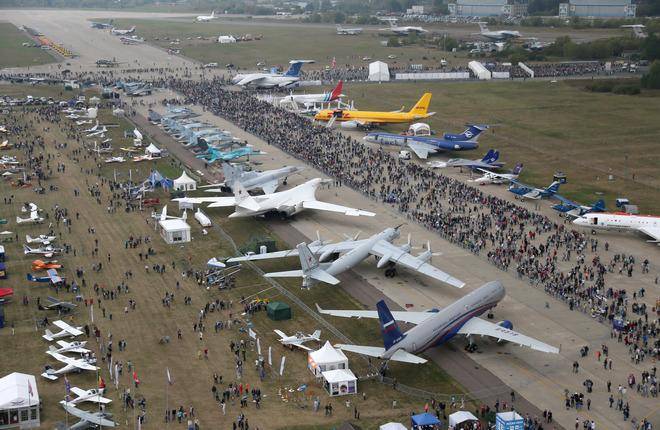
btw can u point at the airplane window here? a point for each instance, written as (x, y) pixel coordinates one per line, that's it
(595, 220)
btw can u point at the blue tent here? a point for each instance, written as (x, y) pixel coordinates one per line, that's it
(156, 179)
(424, 419)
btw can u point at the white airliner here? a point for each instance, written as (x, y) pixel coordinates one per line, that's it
(120, 32)
(348, 31)
(647, 224)
(402, 30)
(435, 327)
(206, 18)
(298, 339)
(311, 99)
(67, 331)
(498, 35)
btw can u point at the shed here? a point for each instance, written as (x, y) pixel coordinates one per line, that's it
(326, 358)
(379, 72)
(185, 183)
(424, 420)
(19, 401)
(461, 418)
(392, 426)
(339, 382)
(278, 311)
(174, 231)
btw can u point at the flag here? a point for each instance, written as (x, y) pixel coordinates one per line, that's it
(67, 388)
(334, 62)
(169, 377)
(101, 382)
(135, 377)
(30, 389)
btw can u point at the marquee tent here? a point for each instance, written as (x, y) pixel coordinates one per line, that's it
(19, 401)
(185, 183)
(379, 72)
(460, 417)
(326, 358)
(339, 382)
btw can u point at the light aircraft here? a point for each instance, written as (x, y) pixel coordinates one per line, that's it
(638, 30)
(71, 365)
(206, 18)
(120, 32)
(93, 395)
(646, 224)
(574, 209)
(34, 216)
(47, 251)
(354, 252)
(311, 99)
(42, 239)
(489, 161)
(271, 80)
(57, 305)
(358, 118)
(435, 327)
(131, 40)
(90, 113)
(83, 122)
(67, 331)
(97, 132)
(298, 339)
(162, 216)
(423, 145)
(101, 25)
(115, 160)
(213, 154)
(268, 181)
(93, 128)
(498, 35)
(5, 159)
(529, 192)
(88, 420)
(348, 31)
(130, 150)
(51, 277)
(45, 265)
(497, 178)
(5, 145)
(5, 294)
(76, 347)
(402, 30)
(145, 157)
(288, 202)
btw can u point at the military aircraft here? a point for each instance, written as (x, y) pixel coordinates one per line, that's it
(213, 154)
(57, 305)
(271, 80)
(435, 327)
(76, 347)
(489, 161)
(93, 395)
(298, 339)
(46, 251)
(646, 224)
(523, 191)
(120, 32)
(348, 31)
(42, 239)
(88, 420)
(101, 25)
(497, 178)
(574, 209)
(268, 181)
(402, 30)
(499, 35)
(67, 331)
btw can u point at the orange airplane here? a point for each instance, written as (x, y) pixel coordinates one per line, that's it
(45, 265)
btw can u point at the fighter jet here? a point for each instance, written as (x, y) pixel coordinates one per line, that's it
(489, 161)
(523, 191)
(67, 331)
(88, 420)
(298, 339)
(268, 181)
(57, 305)
(70, 365)
(77, 347)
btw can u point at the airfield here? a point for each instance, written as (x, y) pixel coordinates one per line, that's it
(532, 136)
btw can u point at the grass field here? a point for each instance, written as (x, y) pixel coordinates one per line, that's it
(14, 54)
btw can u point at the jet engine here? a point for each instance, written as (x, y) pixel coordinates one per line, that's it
(506, 324)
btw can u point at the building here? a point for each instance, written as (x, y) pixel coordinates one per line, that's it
(598, 9)
(488, 8)
(19, 402)
(416, 10)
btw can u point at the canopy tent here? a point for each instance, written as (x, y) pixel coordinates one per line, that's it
(379, 72)
(19, 401)
(339, 382)
(460, 417)
(392, 426)
(419, 129)
(278, 311)
(326, 358)
(152, 150)
(185, 183)
(174, 230)
(424, 420)
(157, 180)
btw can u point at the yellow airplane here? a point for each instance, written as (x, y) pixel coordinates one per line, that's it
(358, 118)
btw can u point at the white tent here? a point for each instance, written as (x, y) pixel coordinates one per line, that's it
(339, 382)
(19, 401)
(152, 150)
(379, 72)
(460, 417)
(174, 230)
(419, 129)
(326, 358)
(185, 183)
(392, 426)
(479, 70)
(226, 39)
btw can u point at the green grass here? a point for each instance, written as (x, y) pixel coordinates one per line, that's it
(14, 54)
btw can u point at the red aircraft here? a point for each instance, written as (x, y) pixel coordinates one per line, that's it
(45, 265)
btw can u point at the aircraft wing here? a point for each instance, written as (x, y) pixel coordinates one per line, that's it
(396, 255)
(422, 150)
(477, 326)
(250, 79)
(534, 194)
(82, 364)
(316, 249)
(652, 232)
(214, 201)
(97, 418)
(280, 333)
(409, 317)
(494, 174)
(66, 327)
(270, 187)
(54, 278)
(324, 206)
(301, 346)
(375, 351)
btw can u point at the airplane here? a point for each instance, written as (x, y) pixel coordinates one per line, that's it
(497, 35)
(77, 347)
(354, 252)
(93, 395)
(57, 305)
(90, 113)
(83, 122)
(348, 31)
(423, 145)
(435, 327)
(206, 18)
(163, 215)
(638, 30)
(120, 32)
(115, 160)
(51, 277)
(97, 132)
(404, 30)
(131, 40)
(488, 161)
(311, 99)
(574, 209)
(357, 118)
(528, 192)
(268, 181)
(646, 224)
(42, 239)
(288, 202)
(88, 420)
(47, 251)
(101, 25)
(212, 154)
(5, 145)
(9, 160)
(70, 365)
(102, 62)
(298, 339)
(497, 178)
(45, 265)
(5, 294)
(271, 80)
(145, 157)
(67, 331)
(34, 216)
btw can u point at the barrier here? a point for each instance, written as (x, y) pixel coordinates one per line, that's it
(431, 76)
(527, 70)
(501, 75)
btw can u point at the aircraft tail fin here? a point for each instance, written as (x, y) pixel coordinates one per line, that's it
(554, 187)
(294, 69)
(163, 214)
(483, 26)
(599, 206)
(334, 95)
(422, 106)
(30, 277)
(243, 198)
(317, 334)
(308, 262)
(230, 172)
(388, 326)
(488, 156)
(517, 169)
(473, 131)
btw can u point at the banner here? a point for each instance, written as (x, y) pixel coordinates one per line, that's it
(258, 346)
(282, 365)
(270, 356)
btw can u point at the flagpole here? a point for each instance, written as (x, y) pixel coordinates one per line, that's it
(167, 398)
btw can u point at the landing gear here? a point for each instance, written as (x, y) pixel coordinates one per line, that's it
(471, 346)
(390, 272)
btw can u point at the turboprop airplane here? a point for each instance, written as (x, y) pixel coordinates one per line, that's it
(88, 420)
(288, 202)
(213, 154)
(298, 339)
(646, 224)
(206, 18)
(76, 347)
(52, 277)
(498, 178)
(435, 327)
(401, 30)
(489, 161)
(268, 181)
(498, 35)
(354, 252)
(358, 118)
(120, 32)
(47, 251)
(574, 209)
(348, 31)
(41, 239)
(67, 331)
(93, 395)
(271, 80)
(311, 99)
(529, 192)
(423, 145)
(57, 305)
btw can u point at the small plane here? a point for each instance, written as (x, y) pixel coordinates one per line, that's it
(271, 80)
(268, 181)
(488, 161)
(120, 32)
(638, 30)
(497, 178)
(523, 191)
(365, 119)
(131, 40)
(5, 145)
(46, 251)
(41, 239)
(57, 305)
(498, 35)
(206, 18)
(5, 294)
(646, 224)
(67, 331)
(76, 347)
(311, 99)
(402, 30)
(354, 252)
(162, 216)
(288, 202)
(34, 216)
(101, 25)
(93, 395)
(574, 209)
(70, 365)
(213, 154)
(51, 277)
(423, 145)
(348, 31)
(118, 159)
(145, 157)
(435, 327)
(9, 160)
(45, 265)
(98, 132)
(88, 420)
(298, 339)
